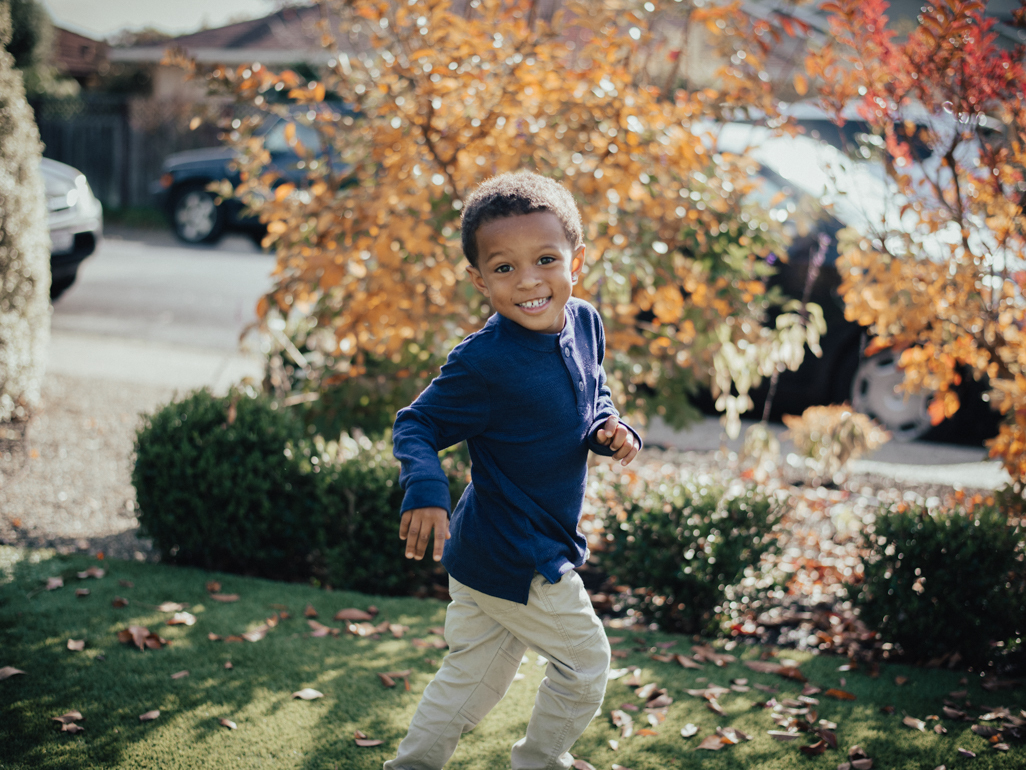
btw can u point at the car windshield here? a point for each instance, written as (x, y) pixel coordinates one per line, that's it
(275, 141)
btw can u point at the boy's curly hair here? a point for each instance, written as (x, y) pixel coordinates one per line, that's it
(515, 193)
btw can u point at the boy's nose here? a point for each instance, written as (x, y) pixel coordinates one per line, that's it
(529, 278)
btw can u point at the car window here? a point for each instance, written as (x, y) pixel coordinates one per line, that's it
(275, 141)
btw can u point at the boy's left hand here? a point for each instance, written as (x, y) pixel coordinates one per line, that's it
(616, 436)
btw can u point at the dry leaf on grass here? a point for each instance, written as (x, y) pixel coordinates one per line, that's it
(365, 742)
(92, 572)
(54, 583)
(8, 671)
(646, 732)
(310, 612)
(225, 597)
(308, 693)
(711, 743)
(353, 614)
(319, 629)
(213, 587)
(149, 716)
(397, 630)
(76, 645)
(228, 665)
(624, 721)
(228, 723)
(180, 675)
(814, 749)
(71, 727)
(688, 730)
(171, 607)
(141, 637)
(708, 654)
(966, 753)
(119, 602)
(839, 694)
(426, 644)
(862, 764)
(71, 716)
(81, 593)
(686, 662)
(580, 764)
(915, 724)
(784, 735)
(182, 619)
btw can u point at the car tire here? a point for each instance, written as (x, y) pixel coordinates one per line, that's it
(195, 216)
(876, 392)
(60, 285)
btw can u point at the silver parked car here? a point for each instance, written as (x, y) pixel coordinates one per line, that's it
(75, 219)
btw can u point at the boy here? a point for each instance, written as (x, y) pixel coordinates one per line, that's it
(528, 394)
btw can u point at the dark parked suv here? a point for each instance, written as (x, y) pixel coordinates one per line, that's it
(193, 211)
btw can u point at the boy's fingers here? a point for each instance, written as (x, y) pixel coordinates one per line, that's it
(404, 525)
(630, 456)
(619, 437)
(411, 540)
(604, 433)
(441, 535)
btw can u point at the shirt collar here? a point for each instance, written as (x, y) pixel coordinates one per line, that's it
(537, 340)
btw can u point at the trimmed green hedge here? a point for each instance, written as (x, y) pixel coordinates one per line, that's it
(686, 543)
(234, 484)
(945, 583)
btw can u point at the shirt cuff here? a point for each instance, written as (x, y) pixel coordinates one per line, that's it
(429, 493)
(603, 449)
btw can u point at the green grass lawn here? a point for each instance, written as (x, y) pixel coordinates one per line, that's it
(112, 684)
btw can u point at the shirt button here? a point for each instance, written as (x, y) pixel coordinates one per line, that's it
(580, 385)
(566, 351)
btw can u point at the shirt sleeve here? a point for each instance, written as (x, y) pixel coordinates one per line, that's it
(454, 407)
(604, 408)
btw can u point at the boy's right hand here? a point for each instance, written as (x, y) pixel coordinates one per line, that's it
(415, 528)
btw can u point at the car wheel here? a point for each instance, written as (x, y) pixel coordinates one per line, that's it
(196, 217)
(60, 285)
(876, 392)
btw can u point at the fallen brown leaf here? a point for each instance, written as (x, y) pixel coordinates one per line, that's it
(966, 753)
(814, 749)
(580, 764)
(365, 742)
(257, 633)
(119, 602)
(180, 675)
(8, 671)
(353, 614)
(647, 691)
(171, 607)
(1001, 747)
(900, 680)
(708, 654)
(782, 735)
(182, 619)
(213, 637)
(71, 716)
(307, 693)
(688, 730)
(76, 645)
(54, 583)
(437, 630)
(647, 732)
(149, 716)
(228, 723)
(81, 593)
(624, 721)
(711, 743)
(660, 701)
(687, 662)
(213, 586)
(397, 630)
(862, 764)
(839, 694)
(619, 653)
(985, 731)
(713, 705)
(386, 680)
(225, 597)
(940, 729)
(310, 612)
(915, 724)
(71, 727)
(92, 572)
(141, 637)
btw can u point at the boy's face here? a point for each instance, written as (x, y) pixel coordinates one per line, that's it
(527, 268)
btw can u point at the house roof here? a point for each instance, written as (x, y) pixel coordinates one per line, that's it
(77, 55)
(288, 35)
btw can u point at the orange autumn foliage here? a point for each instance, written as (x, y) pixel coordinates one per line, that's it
(370, 280)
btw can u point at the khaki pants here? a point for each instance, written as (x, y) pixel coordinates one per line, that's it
(487, 639)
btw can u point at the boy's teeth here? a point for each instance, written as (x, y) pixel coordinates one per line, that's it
(534, 303)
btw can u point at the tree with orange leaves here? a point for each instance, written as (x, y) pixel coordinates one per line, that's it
(370, 287)
(943, 275)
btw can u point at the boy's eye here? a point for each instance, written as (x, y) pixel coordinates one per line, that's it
(546, 260)
(503, 268)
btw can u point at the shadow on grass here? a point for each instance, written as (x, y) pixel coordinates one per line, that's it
(112, 684)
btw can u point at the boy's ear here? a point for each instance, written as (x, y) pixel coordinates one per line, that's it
(477, 280)
(577, 264)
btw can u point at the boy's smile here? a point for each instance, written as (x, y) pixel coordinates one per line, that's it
(527, 268)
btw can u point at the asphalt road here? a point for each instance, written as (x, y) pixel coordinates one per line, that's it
(144, 285)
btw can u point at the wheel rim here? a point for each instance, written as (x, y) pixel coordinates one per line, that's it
(876, 392)
(196, 215)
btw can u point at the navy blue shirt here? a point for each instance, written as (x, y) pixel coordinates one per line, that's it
(528, 404)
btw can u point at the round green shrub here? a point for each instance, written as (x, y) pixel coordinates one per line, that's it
(234, 484)
(946, 583)
(686, 543)
(220, 485)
